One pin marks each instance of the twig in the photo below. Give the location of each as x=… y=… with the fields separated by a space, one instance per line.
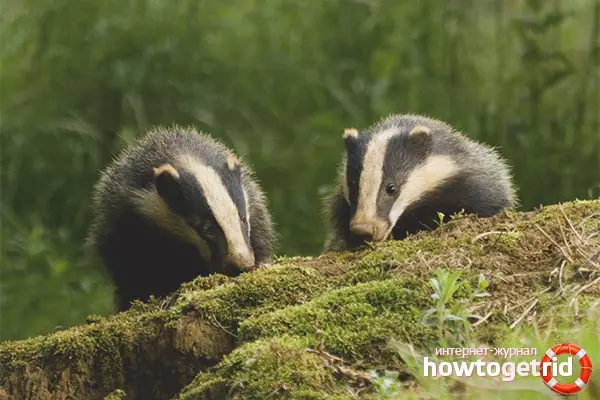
x=528 y=300
x=524 y=314
x=554 y=242
x=483 y=319
x=596 y=214
x=562 y=264
x=591 y=235
x=569 y=221
x=595 y=281
x=564 y=238
x=214 y=321
x=520 y=304
x=482 y=235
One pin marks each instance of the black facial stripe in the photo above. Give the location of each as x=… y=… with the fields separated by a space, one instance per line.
x=194 y=201
x=355 y=153
x=394 y=162
x=195 y=204
x=216 y=243
x=233 y=182
x=403 y=154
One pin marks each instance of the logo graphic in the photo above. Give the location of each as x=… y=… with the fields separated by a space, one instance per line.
x=551 y=356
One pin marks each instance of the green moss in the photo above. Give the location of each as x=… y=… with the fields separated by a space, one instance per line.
x=405 y=258
x=206 y=283
x=99 y=352
x=376 y=263
x=291 y=322
x=576 y=208
x=264 y=290
x=507 y=243
x=278 y=368
x=351 y=320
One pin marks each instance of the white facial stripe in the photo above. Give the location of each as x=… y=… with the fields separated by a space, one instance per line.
x=149 y=203
x=344 y=183
x=372 y=173
x=247 y=209
x=424 y=178
x=220 y=203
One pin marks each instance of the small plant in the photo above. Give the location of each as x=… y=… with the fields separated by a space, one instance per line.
x=457 y=215
x=440 y=221
x=449 y=315
x=387 y=384
x=480 y=291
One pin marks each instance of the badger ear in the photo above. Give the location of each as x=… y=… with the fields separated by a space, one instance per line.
x=350 y=138
x=421 y=135
x=232 y=162
x=420 y=130
x=166 y=180
x=350 y=133
x=166 y=169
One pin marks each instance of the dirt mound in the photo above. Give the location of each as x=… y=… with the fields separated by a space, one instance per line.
x=315 y=327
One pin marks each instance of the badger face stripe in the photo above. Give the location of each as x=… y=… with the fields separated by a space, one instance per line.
x=223 y=209
x=372 y=174
x=247 y=208
x=149 y=203
x=423 y=179
x=344 y=183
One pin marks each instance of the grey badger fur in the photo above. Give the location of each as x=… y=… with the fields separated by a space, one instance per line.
x=399 y=173
x=174 y=205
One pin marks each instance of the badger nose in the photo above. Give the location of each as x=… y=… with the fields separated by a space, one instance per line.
x=366 y=230
x=372 y=229
x=241 y=258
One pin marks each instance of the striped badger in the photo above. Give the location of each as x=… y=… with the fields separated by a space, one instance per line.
x=174 y=205
x=398 y=174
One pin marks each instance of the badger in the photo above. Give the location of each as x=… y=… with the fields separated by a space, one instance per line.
x=397 y=175
x=174 y=205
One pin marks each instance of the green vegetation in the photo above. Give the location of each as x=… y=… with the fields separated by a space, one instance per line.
x=303 y=329
x=278 y=82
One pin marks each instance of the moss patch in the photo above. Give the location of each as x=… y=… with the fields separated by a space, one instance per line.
x=265 y=290
x=277 y=368
x=352 y=320
x=317 y=327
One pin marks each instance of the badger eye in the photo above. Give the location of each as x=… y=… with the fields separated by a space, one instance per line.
x=391 y=189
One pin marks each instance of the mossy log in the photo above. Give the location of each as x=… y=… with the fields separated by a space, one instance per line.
x=313 y=327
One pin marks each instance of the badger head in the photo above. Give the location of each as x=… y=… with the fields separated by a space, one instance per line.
x=389 y=169
x=207 y=205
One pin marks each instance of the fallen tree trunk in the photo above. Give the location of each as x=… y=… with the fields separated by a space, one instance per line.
x=314 y=327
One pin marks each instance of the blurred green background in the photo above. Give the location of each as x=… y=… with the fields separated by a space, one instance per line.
x=278 y=81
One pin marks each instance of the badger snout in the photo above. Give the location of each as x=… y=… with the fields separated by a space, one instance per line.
x=370 y=229
x=363 y=229
x=242 y=258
